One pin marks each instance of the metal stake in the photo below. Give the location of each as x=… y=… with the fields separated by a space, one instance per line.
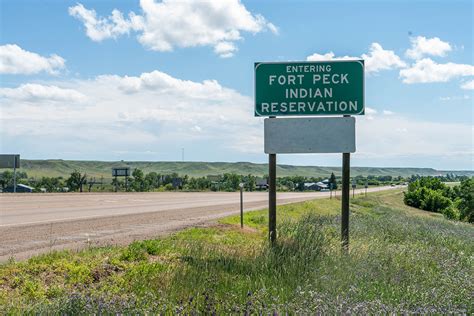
x=241 y=206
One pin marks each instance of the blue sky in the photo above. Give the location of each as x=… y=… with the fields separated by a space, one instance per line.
x=79 y=84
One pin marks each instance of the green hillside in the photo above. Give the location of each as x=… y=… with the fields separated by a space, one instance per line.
x=55 y=168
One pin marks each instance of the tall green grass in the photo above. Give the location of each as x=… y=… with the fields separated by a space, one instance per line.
x=400 y=262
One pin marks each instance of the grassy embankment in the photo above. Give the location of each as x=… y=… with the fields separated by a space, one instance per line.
x=401 y=260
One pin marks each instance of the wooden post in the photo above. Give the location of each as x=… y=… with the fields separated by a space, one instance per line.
x=272 y=197
x=346 y=175
x=346 y=157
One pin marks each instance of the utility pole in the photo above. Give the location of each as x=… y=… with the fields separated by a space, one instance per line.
x=182 y=154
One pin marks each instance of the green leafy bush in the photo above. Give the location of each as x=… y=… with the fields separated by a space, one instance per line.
x=465 y=192
x=434 y=201
x=451 y=212
x=430 y=194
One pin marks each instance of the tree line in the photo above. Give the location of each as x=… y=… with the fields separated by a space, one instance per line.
x=430 y=194
x=153 y=181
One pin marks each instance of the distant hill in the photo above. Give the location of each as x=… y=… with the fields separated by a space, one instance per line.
x=55 y=168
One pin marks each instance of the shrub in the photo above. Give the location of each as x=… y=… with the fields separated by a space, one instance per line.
x=451 y=213
x=430 y=194
x=434 y=201
x=465 y=192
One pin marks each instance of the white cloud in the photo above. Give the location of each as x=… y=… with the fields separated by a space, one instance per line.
x=225 y=49
x=469 y=85
x=370 y=113
x=401 y=139
x=422 y=46
x=453 y=98
x=329 y=56
x=156 y=114
x=387 y=112
x=426 y=70
x=370 y=110
x=98 y=28
x=375 y=60
x=15 y=60
x=39 y=93
x=174 y=23
x=150 y=112
x=381 y=59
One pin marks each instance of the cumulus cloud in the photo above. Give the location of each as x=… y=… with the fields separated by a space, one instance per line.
x=376 y=59
x=15 y=60
x=175 y=23
x=370 y=110
x=98 y=28
x=422 y=46
x=39 y=93
x=149 y=112
x=381 y=59
x=155 y=113
x=329 y=56
x=427 y=70
x=469 y=85
x=399 y=138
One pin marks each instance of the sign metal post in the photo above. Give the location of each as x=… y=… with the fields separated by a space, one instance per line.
x=272 y=197
x=310 y=89
x=346 y=167
x=121 y=172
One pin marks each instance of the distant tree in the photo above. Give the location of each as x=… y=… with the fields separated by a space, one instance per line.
x=333 y=181
x=430 y=194
x=138 y=182
x=231 y=181
x=51 y=184
x=250 y=182
x=465 y=194
x=76 y=181
x=6 y=179
x=153 y=180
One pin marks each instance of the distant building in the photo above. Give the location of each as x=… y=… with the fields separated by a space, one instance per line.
x=20 y=188
x=315 y=186
x=262 y=184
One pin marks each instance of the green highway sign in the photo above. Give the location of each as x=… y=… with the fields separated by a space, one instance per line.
x=309 y=88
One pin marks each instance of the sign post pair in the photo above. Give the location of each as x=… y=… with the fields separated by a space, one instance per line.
x=310 y=89
x=121 y=172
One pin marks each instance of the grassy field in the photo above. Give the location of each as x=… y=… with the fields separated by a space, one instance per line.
x=402 y=260
x=56 y=168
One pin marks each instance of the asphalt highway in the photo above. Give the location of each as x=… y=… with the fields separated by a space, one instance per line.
x=37 y=223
